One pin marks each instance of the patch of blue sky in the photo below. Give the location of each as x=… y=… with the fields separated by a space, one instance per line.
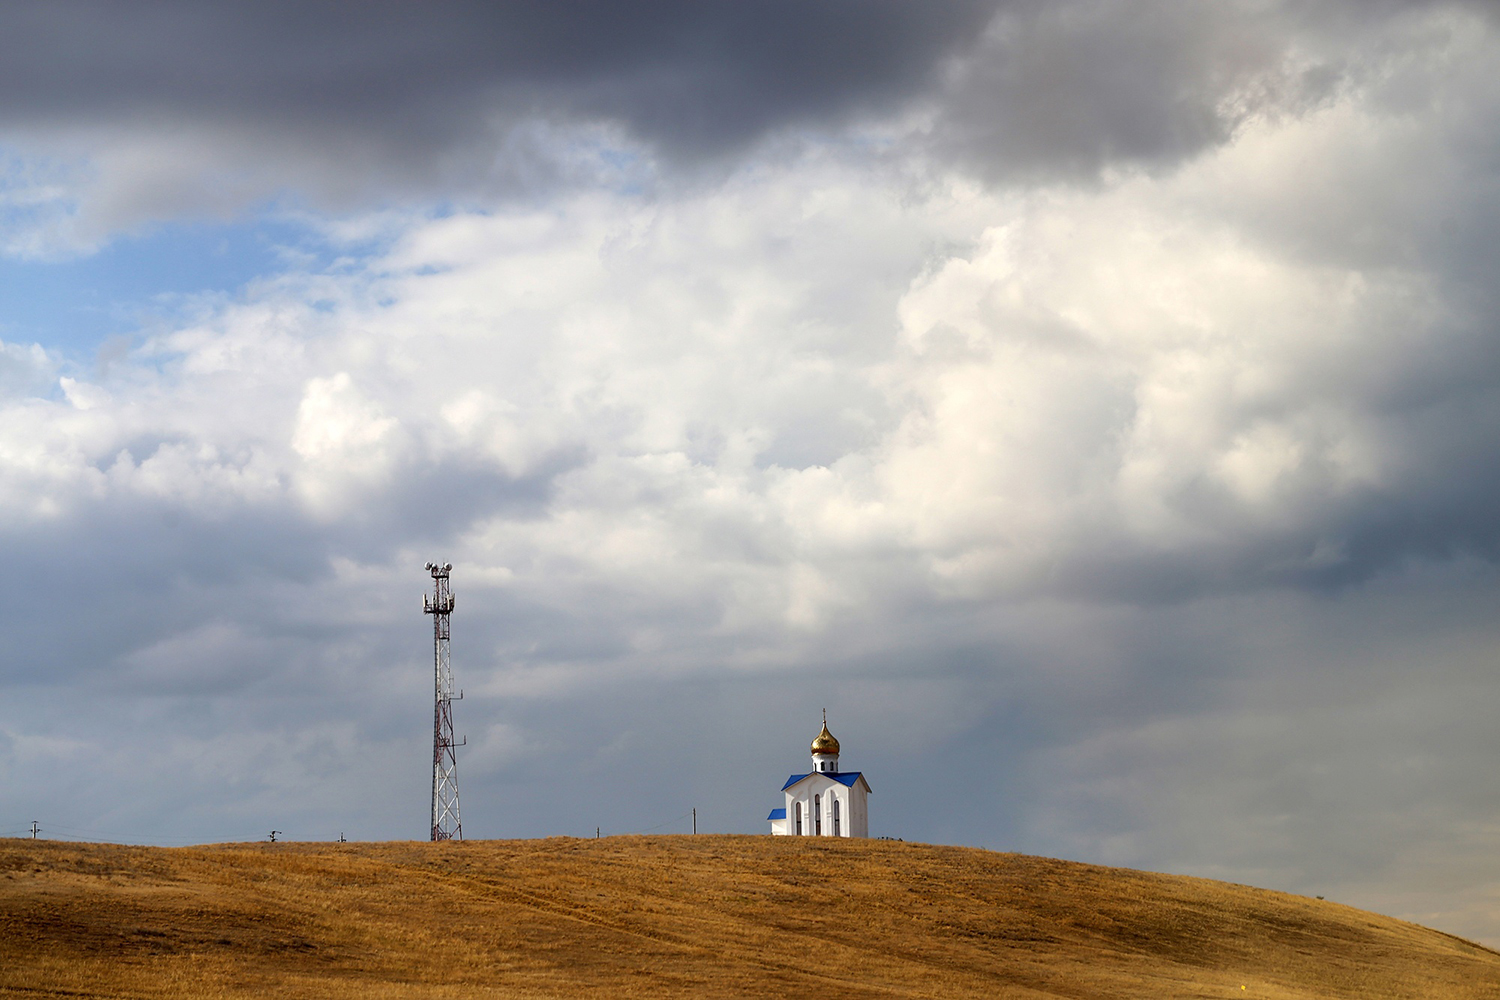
x=72 y=306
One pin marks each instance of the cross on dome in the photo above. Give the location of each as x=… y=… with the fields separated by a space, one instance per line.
x=824 y=741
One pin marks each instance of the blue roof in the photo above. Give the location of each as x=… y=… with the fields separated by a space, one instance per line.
x=842 y=777
x=777 y=814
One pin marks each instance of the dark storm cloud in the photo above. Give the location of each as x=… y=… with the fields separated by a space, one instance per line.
x=382 y=100
x=1075 y=87
x=693 y=77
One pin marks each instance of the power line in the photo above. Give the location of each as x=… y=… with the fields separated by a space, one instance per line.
x=674 y=819
x=59 y=831
x=75 y=833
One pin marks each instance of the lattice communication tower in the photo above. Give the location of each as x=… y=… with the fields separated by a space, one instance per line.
x=439 y=604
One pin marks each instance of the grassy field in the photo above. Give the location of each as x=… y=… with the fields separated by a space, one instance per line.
x=716 y=916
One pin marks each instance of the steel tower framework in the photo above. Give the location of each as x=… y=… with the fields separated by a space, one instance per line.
x=439 y=604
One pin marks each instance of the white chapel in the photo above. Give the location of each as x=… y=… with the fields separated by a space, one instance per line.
x=824 y=802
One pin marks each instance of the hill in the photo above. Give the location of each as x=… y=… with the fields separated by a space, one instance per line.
x=681 y=916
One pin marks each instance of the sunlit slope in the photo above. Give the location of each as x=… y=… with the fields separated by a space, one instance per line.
x=681 y=916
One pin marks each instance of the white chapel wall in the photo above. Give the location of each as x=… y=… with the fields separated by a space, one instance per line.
x=853 y=819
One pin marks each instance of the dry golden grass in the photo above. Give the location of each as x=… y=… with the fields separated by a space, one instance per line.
x=681 y=916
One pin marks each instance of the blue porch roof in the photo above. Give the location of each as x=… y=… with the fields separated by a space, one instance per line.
x=777 y=814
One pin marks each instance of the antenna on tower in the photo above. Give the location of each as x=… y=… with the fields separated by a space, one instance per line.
x=445 y=821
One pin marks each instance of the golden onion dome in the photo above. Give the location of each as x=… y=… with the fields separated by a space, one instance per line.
x=824 y=741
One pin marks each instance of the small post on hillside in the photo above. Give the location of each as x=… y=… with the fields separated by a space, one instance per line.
x=35 y=829
x=695 y=820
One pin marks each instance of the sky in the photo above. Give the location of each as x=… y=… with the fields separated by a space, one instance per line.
x=1095 y=406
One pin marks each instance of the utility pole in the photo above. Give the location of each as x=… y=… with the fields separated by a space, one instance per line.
x=35 y=829
x=695 y=820
x=445 y=820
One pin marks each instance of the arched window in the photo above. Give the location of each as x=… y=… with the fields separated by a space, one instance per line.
x=798 y=812
x=836 y=818
x=817 y=815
